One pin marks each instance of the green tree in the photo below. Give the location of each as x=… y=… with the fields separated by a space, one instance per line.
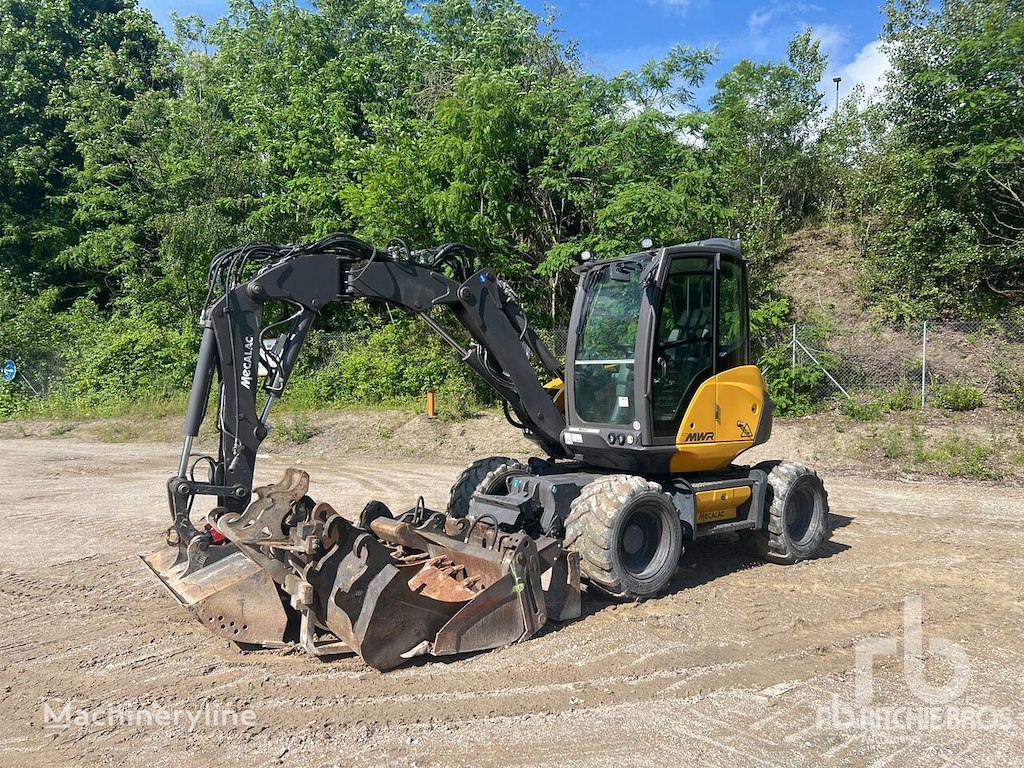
x=761 y=133
x=44 y=47
x=949 y=179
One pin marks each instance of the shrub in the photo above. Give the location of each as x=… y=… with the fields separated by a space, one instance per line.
x=298 y=429
x=397 y=362
x=870 y=410
x=955 y=396
x=903 y=398
x=456 y=402
x=893 y=444
x=794 y=390
x=129 y=355
x=12 y=402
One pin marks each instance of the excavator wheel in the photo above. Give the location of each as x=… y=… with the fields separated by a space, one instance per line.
x=496 y=481
x=628 y=535
x=796 y=518
x=469 y=482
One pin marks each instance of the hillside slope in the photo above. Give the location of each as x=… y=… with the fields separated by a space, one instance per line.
x=821 y=271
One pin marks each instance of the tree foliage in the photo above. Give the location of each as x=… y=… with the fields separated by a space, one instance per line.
x=128 y=157
x=948 y=174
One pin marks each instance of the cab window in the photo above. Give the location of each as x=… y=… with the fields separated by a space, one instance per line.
x=683 y=344
x=732 y=320
x=606 y=346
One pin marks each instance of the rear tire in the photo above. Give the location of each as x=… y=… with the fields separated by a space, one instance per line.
x=628 y=535
x=469 y=481
x=796 y=515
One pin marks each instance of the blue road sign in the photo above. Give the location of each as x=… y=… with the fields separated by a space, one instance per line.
x=10 y=370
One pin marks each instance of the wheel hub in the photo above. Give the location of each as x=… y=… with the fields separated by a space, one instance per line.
x=633 y=539
x=640 y=541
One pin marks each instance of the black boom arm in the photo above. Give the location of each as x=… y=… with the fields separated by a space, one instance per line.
x=307 y=278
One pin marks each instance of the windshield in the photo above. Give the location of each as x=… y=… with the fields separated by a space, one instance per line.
x=605 y=347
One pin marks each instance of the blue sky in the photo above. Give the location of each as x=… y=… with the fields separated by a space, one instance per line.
x=623 y=34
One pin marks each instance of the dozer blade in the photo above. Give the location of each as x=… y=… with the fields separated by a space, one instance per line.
x=231 y=595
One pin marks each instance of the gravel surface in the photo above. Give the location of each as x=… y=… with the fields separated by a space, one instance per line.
x=739 y=664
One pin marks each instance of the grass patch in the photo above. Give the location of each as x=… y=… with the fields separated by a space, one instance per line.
x=297 y=429
x=893 y=444
x=953 y=455
x=65 y=408
x=859 y=410
x=962 y=457
x=119 y=431
x=955 y=396
x=904 y=398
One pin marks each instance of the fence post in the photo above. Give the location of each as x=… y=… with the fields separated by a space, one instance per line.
x=924 y=362
x=792 y=366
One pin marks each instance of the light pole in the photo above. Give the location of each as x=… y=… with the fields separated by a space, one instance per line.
x=837 y=81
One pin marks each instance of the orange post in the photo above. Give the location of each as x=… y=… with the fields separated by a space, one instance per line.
x=431 y=410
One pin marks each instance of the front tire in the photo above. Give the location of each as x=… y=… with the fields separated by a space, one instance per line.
x=796 y=522
x=628 y=535
x=496 y=481
x=469 y=482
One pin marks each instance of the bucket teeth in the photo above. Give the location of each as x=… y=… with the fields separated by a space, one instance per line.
x=472 y=582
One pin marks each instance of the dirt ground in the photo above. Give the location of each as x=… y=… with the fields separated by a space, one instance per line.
x=739 y=664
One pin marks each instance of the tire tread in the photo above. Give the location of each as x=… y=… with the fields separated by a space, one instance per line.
x=769 y=543
x=588 y=528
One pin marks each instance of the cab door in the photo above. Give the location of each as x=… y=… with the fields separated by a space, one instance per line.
x=739 y=388
x=683 y=351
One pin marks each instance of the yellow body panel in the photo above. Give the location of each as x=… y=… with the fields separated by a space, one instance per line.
x=557 y=389
x=721 y=420
x=713 y=506
x=740 y=400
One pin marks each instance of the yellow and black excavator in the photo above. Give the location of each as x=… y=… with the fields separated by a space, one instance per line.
x=640 y=431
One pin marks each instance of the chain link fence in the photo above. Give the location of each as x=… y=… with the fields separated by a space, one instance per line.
x=559 y=341
x=964 y=363
x=975 y=358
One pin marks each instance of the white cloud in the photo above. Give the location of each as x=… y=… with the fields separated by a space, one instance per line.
x=868 y=68
x=760 y=18
x=832 y=39
x=672 y=5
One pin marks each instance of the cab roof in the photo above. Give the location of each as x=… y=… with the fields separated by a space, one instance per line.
x=723 y=245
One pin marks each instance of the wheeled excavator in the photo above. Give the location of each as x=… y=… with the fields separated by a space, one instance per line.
x=639 y=432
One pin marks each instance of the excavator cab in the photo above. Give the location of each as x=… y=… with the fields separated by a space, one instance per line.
x=659 y=375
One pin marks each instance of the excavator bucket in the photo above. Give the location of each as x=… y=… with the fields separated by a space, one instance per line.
x=387 y=589
x=230 y=595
